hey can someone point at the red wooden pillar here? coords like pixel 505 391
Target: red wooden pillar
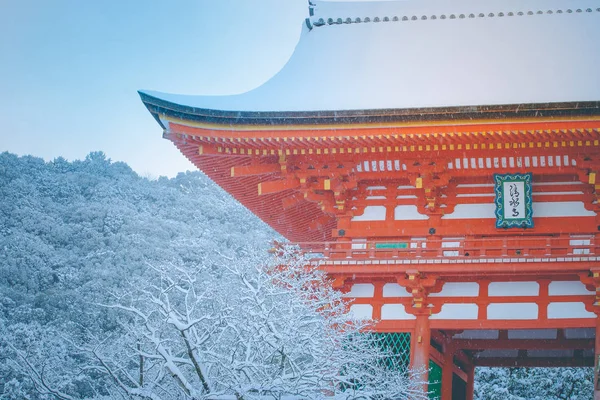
pixel 377 301
pixel 470 382
pixel 447 371
pixel 419 350
pixel 597 361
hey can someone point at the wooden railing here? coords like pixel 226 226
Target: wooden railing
pixel 454 248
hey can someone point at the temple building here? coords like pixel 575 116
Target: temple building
pixel 440 160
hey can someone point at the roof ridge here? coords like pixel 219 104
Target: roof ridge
pixel 318 21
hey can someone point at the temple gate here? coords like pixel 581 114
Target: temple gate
pixel 450 190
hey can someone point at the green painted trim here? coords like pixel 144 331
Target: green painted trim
pixel 435 381
pixel 391 245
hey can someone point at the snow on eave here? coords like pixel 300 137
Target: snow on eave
pixel 159 107
pixel 508 59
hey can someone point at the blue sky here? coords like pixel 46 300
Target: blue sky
pixel 70 69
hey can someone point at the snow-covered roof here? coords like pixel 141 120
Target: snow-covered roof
pixel 430 53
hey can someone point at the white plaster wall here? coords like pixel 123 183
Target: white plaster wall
pixel 568 183
pixel 556 209
pixel 361 290
pixel 475 185
pixel 512 311
pixel 451 245
pixel 561 209
pixel 375 198
pixel 513 289
pixel 395 290
pixel 472 211
pixel 568 310
pixel 359 244
pixel 579 242
pixel 395 312
pixel 458 289
pixel 475 195
pixel 418 241
pixel 361 311
pixel 567 288
pixel 408 213
pixel 457 312
pixel 371 213
pixel 371 188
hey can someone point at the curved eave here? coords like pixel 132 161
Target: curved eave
pixel 302 222
pixel 230 119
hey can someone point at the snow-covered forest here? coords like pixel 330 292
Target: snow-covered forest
pixel 113 286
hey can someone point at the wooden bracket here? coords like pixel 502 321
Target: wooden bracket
pixel 251 170
pixel 591 280
pixel 420 286
pixel 270 187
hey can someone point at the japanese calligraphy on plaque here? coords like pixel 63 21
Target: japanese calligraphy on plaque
pixel 514 207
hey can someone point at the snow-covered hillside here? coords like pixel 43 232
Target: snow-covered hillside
pixel 102 272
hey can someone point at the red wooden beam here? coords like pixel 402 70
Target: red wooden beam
pixel 460 373
pixel 318 223
pixel 212 150
pixel 528 344
pixel 456 227
pixel 473 270
pixel 292 201
pixel 270 187
pixel 534 362
pixel 414 133
pixel 514 324
pixel 250 170
pixel 408 325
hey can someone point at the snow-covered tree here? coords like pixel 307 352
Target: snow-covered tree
pixel 534 384
pixel 244 328
pixel 238 327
